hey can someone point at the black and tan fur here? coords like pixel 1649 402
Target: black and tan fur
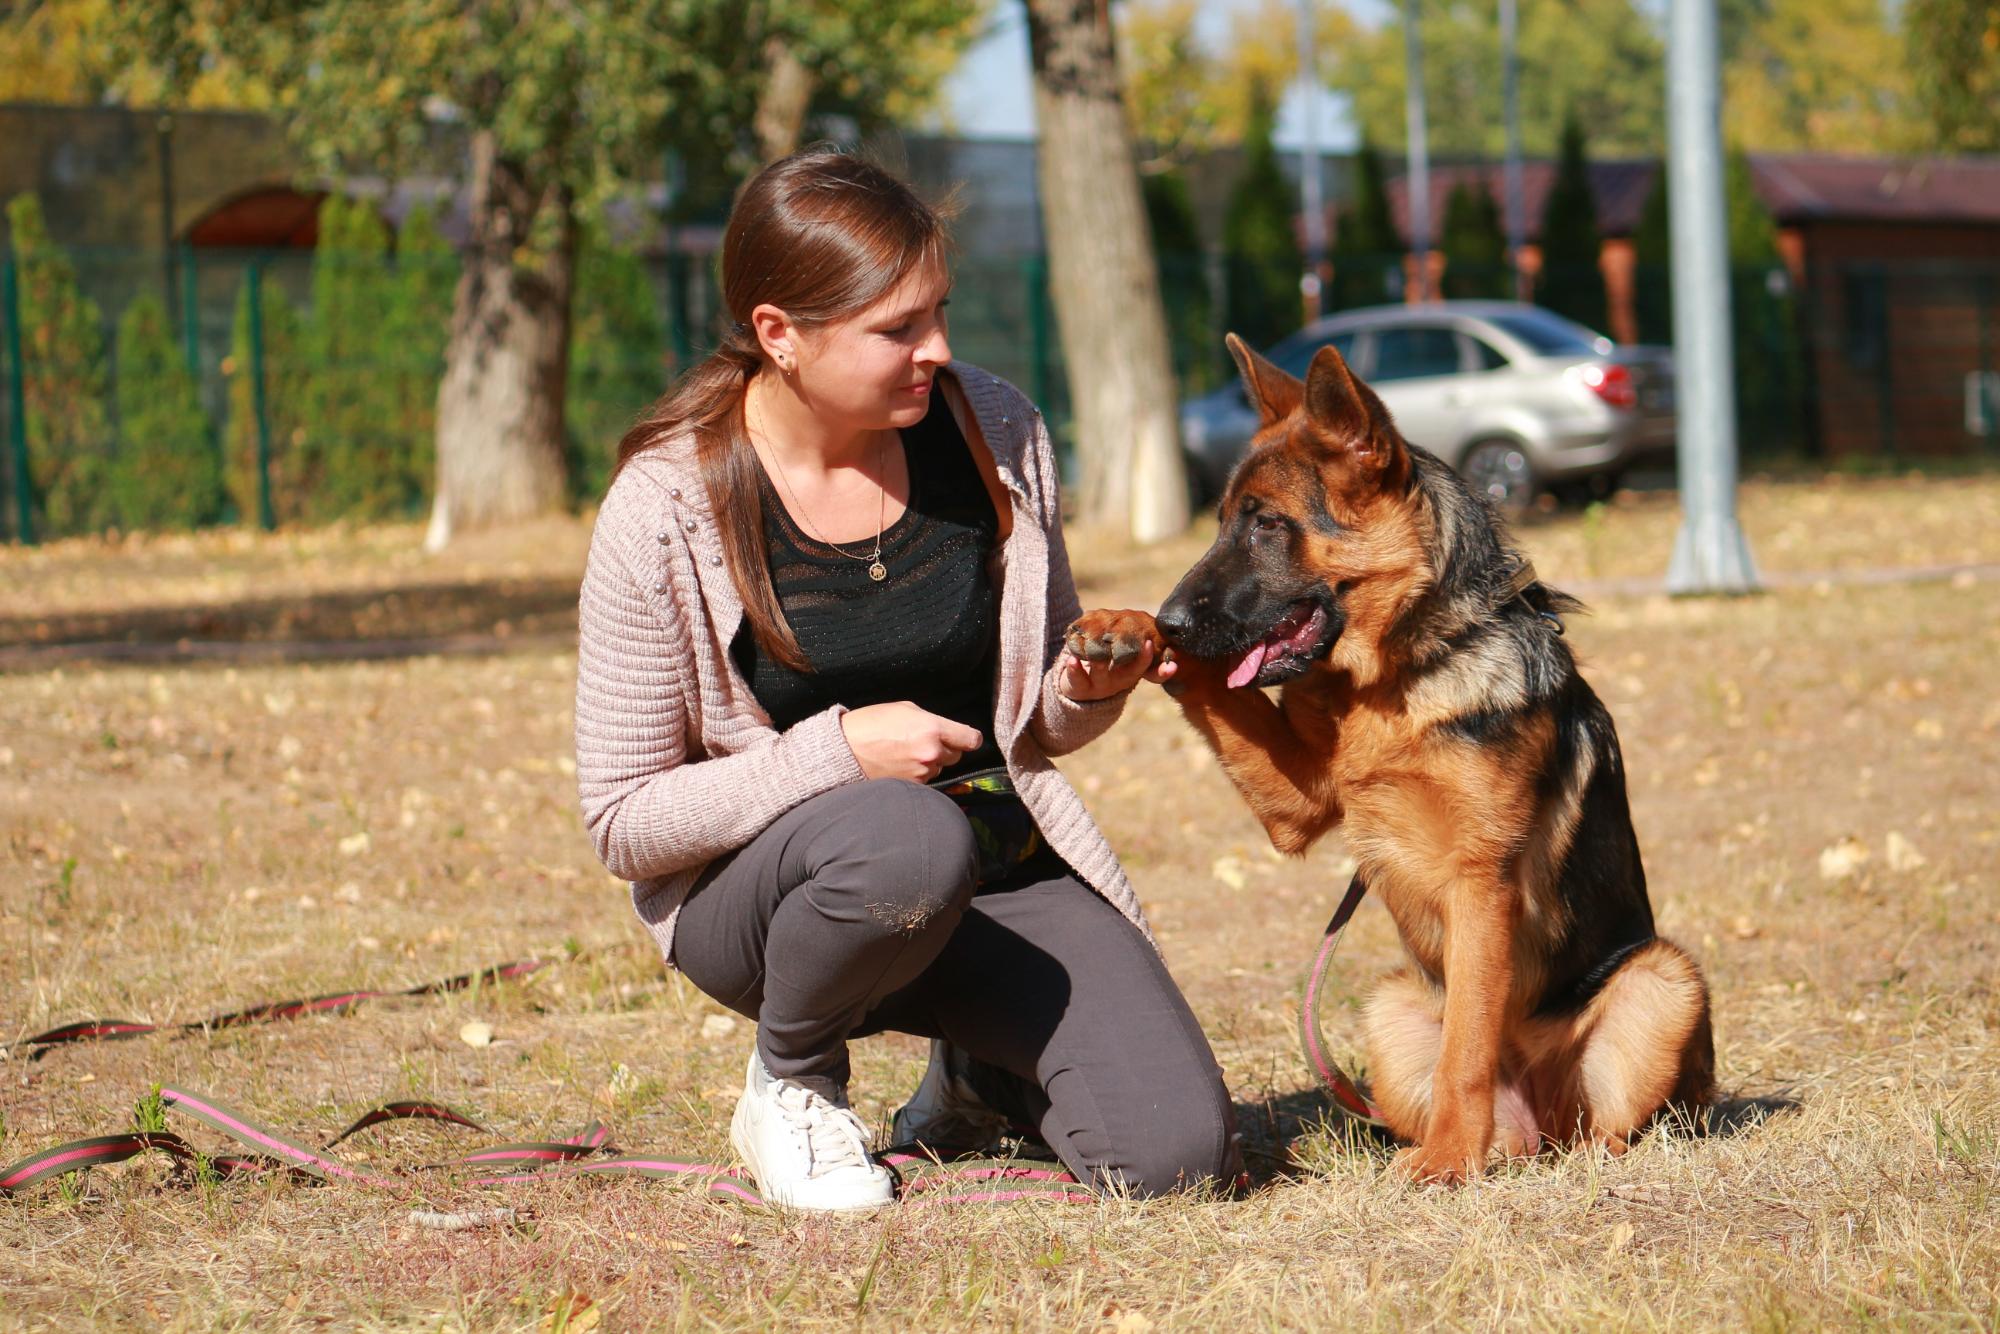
pixel 1436 715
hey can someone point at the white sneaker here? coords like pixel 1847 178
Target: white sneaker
pixel 806 1152
pixel 946 1113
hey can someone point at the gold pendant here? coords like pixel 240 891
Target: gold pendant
pixel 878 572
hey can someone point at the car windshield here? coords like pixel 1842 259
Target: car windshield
pixel 1547 334
pixel 1294 354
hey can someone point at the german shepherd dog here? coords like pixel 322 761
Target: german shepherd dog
pixel 1431 707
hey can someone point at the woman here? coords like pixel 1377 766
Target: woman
pixel 828 581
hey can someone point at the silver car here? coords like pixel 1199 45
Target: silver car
pixel 1513 396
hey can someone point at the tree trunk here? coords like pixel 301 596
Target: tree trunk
pixel 781 107
pixel 1103 280
pixel 500 404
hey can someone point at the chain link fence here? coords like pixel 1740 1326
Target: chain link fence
pixel 174 389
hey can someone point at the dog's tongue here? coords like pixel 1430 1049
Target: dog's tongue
pixel 1246 668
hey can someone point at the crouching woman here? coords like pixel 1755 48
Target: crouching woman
pixel 819 684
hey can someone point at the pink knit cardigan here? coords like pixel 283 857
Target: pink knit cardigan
pixel 677 764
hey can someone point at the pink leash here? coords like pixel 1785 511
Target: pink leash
pixel 1345 1093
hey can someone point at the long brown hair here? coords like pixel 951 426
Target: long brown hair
pixel 822 235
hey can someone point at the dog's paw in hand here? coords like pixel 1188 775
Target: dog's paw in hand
pixel 1441 1162
pixel 1115 637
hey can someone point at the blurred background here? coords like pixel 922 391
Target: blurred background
pixel 234 242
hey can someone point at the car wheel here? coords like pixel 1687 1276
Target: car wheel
pixel 1500 471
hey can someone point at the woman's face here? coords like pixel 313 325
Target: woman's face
pixel 875 369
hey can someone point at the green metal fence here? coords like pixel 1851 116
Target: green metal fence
pixel 299 390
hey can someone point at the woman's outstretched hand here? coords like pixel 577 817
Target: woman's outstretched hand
pixel 1084 681
pixel 901 740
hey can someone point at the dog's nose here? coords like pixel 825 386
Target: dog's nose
pixel 1175 620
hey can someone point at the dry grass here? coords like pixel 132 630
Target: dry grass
pixel 182 839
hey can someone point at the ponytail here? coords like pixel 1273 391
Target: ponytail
pixel 708 402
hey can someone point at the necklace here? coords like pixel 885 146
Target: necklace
pixel 876 569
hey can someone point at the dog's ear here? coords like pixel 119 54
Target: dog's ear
pixel 1274 393
pixel 1349 418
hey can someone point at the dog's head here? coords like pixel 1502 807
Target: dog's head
pixel 1321 540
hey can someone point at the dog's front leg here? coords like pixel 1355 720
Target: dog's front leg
pixel 1284 773
pixel 1478 983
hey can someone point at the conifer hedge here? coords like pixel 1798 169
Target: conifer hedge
pixel 64 382
pixel 166 472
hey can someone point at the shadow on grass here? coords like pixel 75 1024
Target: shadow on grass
pixel 1273 1126
pixel 402 621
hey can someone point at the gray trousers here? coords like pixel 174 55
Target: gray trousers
pixel 858 912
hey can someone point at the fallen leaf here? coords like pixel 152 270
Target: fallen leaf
pixel 717 1026
pixel 1842 859
pixel 571 1313
pixel 1621 1236
pixel 1901 854
pixel 1640 1192
pixel 354 844
pixel 1229 871
pixel 476 1034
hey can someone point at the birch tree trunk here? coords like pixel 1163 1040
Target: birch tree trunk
pixel 500 404
pixel 1103 280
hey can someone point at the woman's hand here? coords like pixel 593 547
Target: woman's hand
pixel 901 740
pixel 1084 681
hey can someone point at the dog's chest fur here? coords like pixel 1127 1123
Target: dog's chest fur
pixel 1428 815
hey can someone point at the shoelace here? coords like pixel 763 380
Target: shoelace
pixel 835 1137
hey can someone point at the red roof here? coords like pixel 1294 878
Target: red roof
pixel 1799 187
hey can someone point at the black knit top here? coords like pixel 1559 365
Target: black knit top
pixel 928 633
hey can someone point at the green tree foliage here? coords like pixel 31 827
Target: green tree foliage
pixel 166 473
pixel 1572 281
pixel 1178 251
pixel 1600 60
pixel 1367 250
pixel 64 384
pixel 1264 263
pixel 1953 49
pixel 1186 98
pixel 1814 76
pixel 358 457
pixel 617 359
pixel 283 363
pixel 1474 243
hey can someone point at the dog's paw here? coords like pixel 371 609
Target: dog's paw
pixel 1110 636
pixel 1442 1163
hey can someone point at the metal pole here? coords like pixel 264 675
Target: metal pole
pixel 1510 81
pixel 1710 553
pixel 1419 179
pixel 267 518
pixel 1310 198
pixel 17 401
pixel 190 316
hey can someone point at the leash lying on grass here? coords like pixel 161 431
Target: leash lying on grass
pixel 923 1180
pixel 117 1030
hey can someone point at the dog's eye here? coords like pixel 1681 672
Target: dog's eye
pixel 1268 522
